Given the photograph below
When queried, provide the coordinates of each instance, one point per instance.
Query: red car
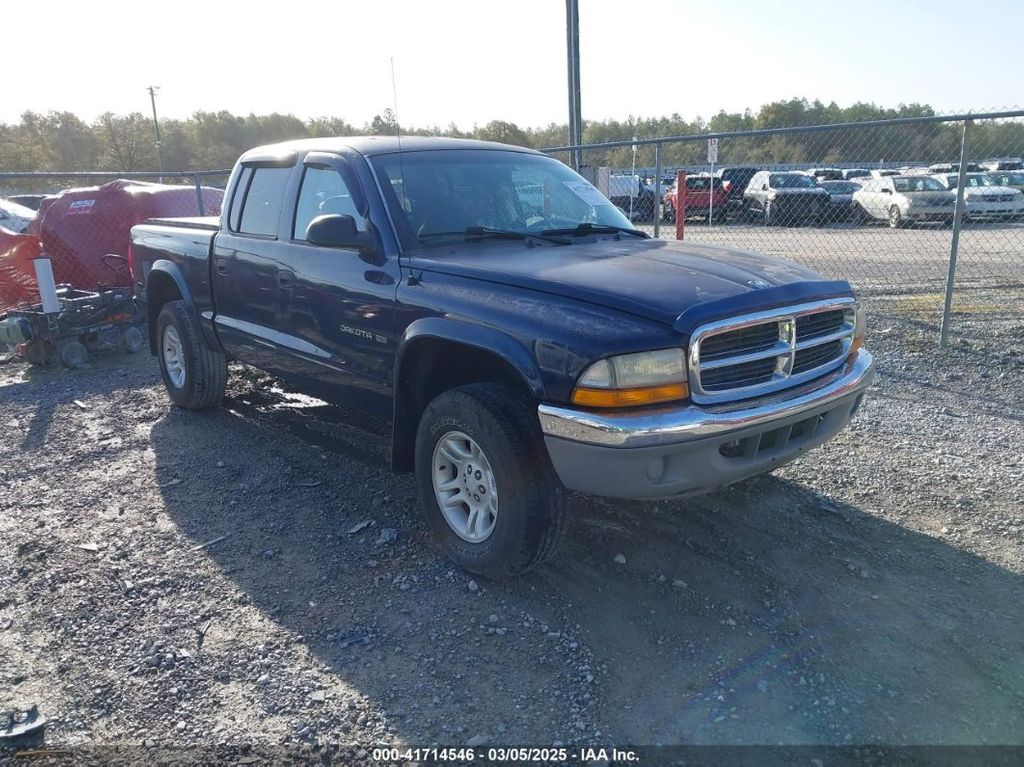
(704, 195)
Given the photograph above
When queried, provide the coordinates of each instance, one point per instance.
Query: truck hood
(654, 279)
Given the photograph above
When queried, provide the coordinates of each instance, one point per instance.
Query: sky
(470, 62)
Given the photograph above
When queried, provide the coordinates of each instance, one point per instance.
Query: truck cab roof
(368, 146)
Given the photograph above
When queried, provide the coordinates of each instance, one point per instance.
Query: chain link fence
(82, 222)
(888, 205)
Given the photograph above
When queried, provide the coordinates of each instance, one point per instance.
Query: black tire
(895, 217)
(39, 353)
(668, 212)
(205, 371)
(532, 510)
(132, 339)
(769, 216)
(72, 354)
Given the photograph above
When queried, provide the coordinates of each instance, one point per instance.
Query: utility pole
(156, 127)
(572, 28)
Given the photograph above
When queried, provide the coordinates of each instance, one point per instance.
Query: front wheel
(769, 215)
(486, 484)
(895, 218)
(195, 376)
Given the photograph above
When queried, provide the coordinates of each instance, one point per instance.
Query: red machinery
(77, 228)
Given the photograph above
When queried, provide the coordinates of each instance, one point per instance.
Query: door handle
(285, 278)
(222, 266)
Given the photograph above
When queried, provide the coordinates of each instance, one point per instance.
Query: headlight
(860, 329)
(629, 380)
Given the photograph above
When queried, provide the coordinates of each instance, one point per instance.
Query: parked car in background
(851, 173)
(883, 172)
(825, 174)
(14, 217)
(841, 205)
(983, 197)
(905, 200)
(785, 197)
(634, 198)
(954, 167)
(706, 196)
(1003, 163)
(31, 201)
(1010, 178)
(735, 181)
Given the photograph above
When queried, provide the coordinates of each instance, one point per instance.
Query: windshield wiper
(584, 229)
(483, 232)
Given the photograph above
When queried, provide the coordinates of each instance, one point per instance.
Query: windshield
(917, 184)
(700, 182)
(448, 191)
(13, 209)
(840, 187)
(974, 181)
(791, 181)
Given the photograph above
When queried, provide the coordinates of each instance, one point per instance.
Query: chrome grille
(755, 354)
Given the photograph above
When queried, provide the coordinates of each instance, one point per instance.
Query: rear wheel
(486, 484)
(72, 354)
(195, 376)
(895, 217)
(769, 215)
(132, 340)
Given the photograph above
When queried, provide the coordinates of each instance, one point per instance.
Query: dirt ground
(255, 574)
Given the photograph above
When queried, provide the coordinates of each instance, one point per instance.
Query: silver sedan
(904, 200)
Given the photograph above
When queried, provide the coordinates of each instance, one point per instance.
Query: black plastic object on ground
(20, 724)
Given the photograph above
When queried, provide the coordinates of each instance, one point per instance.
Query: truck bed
(210, 223)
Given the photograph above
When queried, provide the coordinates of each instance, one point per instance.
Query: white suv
(983, 197)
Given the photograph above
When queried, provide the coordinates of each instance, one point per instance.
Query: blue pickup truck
(515, 333)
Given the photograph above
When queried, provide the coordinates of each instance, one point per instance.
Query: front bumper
(690, 450)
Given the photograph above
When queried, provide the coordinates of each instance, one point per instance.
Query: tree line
(62, 141)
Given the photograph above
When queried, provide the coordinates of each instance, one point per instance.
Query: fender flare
(169, 269)
(486, 339)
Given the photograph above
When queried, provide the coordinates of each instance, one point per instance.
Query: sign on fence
(712, 150)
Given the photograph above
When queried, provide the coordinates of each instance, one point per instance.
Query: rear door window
(235, 212)
(262, 208)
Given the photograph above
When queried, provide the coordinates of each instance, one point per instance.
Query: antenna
(394, 97)
(404, 200)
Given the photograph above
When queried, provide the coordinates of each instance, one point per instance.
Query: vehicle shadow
(44, 390)
(764, 613)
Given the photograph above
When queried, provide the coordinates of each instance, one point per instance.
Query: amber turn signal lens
(647, 395)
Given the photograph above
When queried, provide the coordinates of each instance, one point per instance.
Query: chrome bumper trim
(681, 424)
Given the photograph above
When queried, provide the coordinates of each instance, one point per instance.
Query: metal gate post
(199, 196)
(657, 190)
(954, 247)
(680, 204)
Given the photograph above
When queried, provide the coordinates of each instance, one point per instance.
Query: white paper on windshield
(586, 192)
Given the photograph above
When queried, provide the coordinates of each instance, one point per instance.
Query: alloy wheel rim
(174, 357)
(465, 487)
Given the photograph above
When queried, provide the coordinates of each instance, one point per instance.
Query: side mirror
(764, 187)
(886, 190)
(337, 230)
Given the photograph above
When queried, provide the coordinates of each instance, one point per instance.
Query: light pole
(156, 127)
(572, 29)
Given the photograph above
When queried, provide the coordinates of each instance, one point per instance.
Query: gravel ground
(255, 574)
